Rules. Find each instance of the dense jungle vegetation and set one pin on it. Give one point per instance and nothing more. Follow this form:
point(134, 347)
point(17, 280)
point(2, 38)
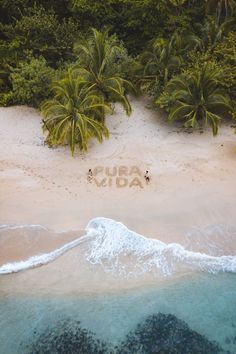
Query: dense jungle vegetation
point(74, 58)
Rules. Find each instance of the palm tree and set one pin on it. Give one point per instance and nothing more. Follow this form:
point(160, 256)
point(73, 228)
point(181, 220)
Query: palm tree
point(197, 97)
point(159, 62)
point(162, 59)
point(213, 31)
point(165, 58)
point(98, 59)
point(221, 7)
point(72, 116)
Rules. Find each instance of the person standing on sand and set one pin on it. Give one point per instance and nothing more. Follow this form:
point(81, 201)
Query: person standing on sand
point(90, 175)
point(146, 176)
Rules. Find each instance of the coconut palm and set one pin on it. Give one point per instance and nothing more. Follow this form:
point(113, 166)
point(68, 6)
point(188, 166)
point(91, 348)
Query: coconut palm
point(198, 97)
point(213, 31)
point(159, 62)
point(162, 59)
point(73, 115)
point(221, 7)
point(97, 64)
point(165, 58)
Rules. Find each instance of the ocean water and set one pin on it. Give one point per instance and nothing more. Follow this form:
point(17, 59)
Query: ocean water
point(192, 311)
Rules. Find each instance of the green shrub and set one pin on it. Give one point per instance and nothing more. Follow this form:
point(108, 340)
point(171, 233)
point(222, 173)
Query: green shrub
point(41, 32)
point(31, 82)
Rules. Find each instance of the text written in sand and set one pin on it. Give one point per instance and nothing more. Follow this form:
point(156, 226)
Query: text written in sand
point(119, 176)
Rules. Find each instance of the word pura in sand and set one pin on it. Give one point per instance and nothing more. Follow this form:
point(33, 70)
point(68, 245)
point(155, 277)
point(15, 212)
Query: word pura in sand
point(119, 176)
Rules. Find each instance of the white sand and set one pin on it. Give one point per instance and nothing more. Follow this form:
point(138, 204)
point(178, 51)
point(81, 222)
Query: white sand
point(192, 177)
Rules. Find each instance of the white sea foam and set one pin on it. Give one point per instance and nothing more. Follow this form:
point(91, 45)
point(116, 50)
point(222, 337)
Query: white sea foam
point(113, 246)
point(27, 227)
point(117, 247)
point(16, 227)
point(41, 259)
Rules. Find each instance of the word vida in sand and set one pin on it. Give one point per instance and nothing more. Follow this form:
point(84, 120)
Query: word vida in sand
point(119, 176)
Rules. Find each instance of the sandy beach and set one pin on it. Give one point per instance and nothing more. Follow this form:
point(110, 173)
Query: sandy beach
point(192, 186)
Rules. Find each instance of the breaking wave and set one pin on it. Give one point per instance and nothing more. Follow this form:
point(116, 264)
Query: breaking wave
point(113, 246)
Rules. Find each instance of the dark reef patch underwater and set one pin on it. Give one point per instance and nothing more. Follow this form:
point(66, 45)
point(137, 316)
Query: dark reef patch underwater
point(160, 333)
point(194, 315)
point(163, 333)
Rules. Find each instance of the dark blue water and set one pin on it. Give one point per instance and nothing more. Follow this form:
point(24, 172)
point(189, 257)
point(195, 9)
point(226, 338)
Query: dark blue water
point(190, 316)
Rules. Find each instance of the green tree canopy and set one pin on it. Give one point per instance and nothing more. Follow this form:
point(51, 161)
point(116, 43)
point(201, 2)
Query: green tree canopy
point(31, 82)
point(41, 32)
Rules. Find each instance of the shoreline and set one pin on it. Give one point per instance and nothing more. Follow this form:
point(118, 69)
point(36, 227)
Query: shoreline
point(21, 244)
point(112, 260)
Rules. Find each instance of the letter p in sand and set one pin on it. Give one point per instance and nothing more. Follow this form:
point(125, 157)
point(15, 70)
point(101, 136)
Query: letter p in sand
point(97, 170)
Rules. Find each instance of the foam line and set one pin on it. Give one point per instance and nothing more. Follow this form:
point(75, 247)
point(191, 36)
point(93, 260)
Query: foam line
point(111, 244)
point(15, 227)
point(114, 241)
point(40, 260)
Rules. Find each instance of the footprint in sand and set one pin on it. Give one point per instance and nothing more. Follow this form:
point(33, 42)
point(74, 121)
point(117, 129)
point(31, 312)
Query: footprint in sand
point(30, 172)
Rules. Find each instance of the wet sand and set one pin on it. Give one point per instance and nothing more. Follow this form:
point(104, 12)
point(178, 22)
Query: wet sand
point(19, 244)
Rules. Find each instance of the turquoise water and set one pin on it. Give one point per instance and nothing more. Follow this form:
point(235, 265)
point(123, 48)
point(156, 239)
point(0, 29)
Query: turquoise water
point(196, 315)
